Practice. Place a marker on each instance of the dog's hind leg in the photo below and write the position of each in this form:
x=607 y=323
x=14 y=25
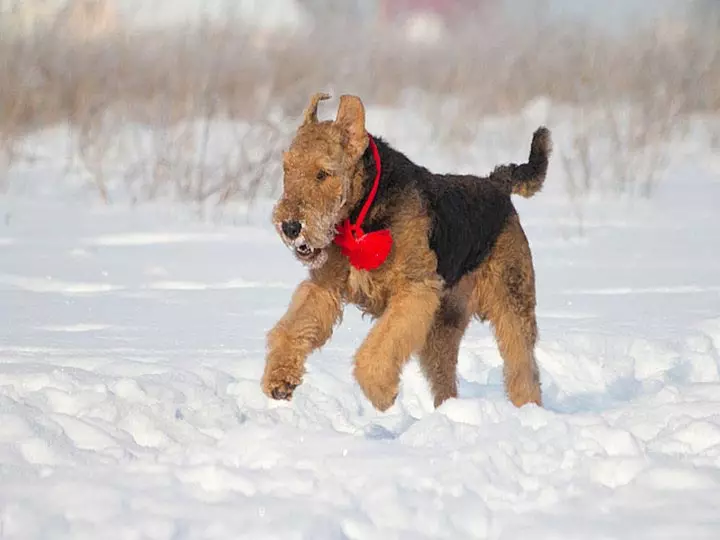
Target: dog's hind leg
x=505 y=294
x=438 y=358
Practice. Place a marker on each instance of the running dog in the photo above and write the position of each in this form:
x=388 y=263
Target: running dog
x=421 y=253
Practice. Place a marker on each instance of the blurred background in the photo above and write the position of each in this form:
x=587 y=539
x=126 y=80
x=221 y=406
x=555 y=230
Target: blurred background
x=194 y=99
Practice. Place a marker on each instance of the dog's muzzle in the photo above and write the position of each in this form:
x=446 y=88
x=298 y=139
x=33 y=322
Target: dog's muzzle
x=291 y=229
x=305 y=252
x=291 y=233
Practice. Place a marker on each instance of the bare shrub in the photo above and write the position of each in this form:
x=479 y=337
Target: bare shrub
x=147 y=109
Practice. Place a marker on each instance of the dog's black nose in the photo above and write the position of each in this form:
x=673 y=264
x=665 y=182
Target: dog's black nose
x=291 y=229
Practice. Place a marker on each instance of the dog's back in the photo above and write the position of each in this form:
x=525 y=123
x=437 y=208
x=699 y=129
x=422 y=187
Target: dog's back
x=467 y=212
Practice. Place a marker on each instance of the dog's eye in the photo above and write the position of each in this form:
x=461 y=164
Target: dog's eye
x=322 y=174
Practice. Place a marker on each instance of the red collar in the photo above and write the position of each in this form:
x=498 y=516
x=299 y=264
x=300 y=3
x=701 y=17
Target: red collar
x=366 y=251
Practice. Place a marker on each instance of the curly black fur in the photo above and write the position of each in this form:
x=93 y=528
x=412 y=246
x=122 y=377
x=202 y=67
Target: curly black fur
x=467 y=212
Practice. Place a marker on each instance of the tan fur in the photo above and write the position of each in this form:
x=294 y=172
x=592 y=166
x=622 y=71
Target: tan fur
x=438 y=357
x=306 y=326
x=504 y=294
x=414 y=315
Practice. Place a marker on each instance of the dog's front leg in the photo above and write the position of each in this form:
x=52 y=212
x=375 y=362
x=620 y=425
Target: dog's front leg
x=306 y=326
x=400 y=331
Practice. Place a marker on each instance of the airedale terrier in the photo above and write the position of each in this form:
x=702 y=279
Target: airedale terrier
x=421 y=253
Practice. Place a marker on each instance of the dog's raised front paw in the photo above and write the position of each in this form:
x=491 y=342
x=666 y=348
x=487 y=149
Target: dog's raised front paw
x=283 y=391
x=280 y=385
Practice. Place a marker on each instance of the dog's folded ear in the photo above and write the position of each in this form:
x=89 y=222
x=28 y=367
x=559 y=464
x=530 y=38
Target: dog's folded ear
x=351 y=118
x=311 y=111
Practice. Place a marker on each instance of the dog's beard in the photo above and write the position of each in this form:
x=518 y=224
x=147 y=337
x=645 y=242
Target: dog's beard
x=310 y=247
x=317 y=233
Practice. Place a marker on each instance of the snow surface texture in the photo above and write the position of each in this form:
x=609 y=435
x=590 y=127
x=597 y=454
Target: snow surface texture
x=131 y=348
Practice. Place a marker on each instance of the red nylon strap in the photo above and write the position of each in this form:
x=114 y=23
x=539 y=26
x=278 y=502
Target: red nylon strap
x=365 y=251
x=371 y=197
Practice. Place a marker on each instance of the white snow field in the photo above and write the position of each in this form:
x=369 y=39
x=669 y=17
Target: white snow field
x=132 y=344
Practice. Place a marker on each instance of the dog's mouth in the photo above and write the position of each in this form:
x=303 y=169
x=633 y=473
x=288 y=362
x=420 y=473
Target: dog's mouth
x=304 y=248
x=306 y=253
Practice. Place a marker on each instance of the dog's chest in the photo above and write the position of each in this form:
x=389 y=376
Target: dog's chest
x=367 y=292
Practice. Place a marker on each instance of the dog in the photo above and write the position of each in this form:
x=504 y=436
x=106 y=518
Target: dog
x=420 y=253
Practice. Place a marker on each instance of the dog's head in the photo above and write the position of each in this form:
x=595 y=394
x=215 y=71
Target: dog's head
x=320 y=173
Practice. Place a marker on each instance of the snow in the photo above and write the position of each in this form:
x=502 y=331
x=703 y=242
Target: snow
x=132 y=345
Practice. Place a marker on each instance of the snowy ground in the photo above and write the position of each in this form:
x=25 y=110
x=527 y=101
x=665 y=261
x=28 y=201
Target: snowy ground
x=132 y=346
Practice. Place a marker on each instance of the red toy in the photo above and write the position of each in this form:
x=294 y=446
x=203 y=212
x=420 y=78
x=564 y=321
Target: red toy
x=365 y=251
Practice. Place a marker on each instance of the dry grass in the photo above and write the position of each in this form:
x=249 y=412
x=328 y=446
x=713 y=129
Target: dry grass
x=182 y=82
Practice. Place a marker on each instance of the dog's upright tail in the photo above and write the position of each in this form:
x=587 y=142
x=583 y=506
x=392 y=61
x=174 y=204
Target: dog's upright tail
x=528 y=178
